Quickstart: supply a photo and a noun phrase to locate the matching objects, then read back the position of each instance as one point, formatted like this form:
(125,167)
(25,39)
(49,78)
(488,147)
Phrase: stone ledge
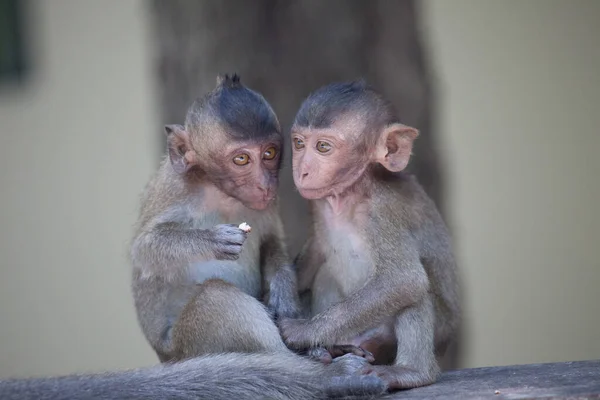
(572,380)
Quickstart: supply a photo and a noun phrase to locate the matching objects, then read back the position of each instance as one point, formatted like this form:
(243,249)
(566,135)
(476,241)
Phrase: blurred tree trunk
(287,48)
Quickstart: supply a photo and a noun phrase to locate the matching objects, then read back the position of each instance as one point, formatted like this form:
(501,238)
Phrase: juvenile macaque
(219,179)
(209,242)
(378,266)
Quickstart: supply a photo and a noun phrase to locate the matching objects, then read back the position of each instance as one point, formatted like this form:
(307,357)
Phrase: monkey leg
(220,318)
(415,364)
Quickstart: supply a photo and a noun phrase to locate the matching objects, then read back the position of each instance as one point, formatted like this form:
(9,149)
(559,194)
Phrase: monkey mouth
(260,204)
(313,193)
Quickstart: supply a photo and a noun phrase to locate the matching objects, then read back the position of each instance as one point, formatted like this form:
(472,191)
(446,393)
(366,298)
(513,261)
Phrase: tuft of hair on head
(323,106)
(244,113)
(224,80)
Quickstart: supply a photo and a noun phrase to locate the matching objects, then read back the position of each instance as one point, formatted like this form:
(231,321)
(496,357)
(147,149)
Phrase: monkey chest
(348,265)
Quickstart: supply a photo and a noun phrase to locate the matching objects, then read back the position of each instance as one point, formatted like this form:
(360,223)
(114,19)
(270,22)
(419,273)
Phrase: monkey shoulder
(161,193)
(414,211)
(401,200)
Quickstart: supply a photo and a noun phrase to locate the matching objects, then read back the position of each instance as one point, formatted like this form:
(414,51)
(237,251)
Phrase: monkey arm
(279,275)
(395,285)
(381,297)
(167,248)
(308,262)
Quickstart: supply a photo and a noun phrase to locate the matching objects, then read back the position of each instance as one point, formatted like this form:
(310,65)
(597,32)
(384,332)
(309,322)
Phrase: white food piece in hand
(245,227)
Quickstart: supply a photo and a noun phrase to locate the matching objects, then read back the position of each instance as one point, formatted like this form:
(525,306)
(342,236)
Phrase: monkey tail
(271,376)
(211,377)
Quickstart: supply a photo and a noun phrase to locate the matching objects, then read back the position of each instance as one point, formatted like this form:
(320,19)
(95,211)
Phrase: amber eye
(323,147)
(241,159)
(270,153)
(298,143)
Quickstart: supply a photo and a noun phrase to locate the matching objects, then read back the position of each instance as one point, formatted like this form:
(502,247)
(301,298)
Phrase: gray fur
(214,377)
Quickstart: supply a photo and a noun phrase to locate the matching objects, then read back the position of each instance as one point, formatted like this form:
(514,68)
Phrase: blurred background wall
(517,116)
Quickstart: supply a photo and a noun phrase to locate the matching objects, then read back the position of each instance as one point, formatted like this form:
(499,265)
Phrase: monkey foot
(327,354)
(399,377)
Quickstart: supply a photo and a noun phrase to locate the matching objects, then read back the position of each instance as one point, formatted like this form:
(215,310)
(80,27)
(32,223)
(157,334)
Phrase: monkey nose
(262,188)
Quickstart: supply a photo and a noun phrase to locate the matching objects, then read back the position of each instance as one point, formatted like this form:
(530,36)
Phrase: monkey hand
(282,298)
(283,305)
(226,241)
(296,333)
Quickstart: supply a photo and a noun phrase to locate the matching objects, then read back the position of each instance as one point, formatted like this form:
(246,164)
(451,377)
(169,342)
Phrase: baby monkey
(378,267)
(221,170)
(198,271)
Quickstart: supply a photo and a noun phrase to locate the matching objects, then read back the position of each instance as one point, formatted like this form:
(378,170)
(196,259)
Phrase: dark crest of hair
(323,106)
(228,81)
(244,113)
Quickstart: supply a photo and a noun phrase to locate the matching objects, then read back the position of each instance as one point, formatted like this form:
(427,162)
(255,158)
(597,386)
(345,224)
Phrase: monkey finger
(226,257)
(228,253)
(233,249)
(228,230)
(235,231)
(226,226)
(340,350)
(238,238)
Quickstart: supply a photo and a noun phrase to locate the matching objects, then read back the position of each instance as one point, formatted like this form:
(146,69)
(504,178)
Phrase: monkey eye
(241,159)
(298,143)
(323,147)
(270,153)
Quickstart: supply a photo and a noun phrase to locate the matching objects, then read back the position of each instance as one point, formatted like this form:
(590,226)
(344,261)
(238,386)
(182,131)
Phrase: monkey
(201,284)
(378,267)
(221,169)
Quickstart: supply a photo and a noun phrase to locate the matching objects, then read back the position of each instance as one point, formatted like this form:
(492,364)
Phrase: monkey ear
(182,155)
(395,146)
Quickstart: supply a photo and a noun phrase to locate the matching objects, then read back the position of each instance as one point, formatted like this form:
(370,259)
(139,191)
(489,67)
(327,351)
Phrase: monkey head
(340,131)
(231,137)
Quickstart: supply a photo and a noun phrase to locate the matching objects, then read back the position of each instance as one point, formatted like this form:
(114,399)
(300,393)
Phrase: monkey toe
(398,377)
(340,350)
(350,364)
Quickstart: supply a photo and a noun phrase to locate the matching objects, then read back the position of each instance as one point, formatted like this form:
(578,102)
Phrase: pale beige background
(519,109)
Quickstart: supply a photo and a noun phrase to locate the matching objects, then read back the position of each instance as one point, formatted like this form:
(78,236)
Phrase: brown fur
(378,267)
